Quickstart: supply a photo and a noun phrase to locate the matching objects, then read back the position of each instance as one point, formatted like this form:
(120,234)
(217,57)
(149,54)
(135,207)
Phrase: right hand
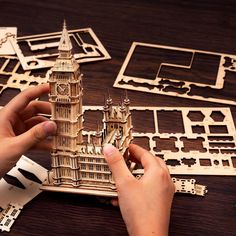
(145,203)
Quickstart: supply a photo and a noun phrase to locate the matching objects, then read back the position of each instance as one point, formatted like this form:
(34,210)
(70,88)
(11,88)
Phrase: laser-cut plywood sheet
(40,51)
(13,76)
(192,141)
(180,72)
(37,53)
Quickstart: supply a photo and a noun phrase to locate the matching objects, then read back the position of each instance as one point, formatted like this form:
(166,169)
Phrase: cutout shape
(29,175)
(12,180)
(196,116)
(170,122)
(217,116)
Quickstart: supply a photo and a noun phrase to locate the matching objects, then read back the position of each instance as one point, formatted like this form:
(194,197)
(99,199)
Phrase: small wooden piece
(187,186)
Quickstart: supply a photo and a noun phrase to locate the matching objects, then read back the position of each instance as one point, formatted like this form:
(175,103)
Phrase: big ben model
(66,99)
(79,167)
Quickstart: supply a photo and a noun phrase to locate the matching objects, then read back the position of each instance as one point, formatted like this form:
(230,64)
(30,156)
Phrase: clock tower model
(77,166)
(66,99)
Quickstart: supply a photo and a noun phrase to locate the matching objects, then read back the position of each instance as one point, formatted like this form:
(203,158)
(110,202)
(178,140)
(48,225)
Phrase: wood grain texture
(204,25)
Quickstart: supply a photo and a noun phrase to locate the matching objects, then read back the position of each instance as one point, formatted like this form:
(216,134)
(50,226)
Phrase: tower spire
(65,43)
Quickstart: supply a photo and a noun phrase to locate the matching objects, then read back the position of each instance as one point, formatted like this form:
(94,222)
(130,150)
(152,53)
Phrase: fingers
(35,135)
(44,145)
(34,108)
(145,157)
(116,164)
(19,102)
(34,121)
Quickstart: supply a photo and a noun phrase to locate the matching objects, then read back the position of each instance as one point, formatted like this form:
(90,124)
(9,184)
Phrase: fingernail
(108,149)
(50,127)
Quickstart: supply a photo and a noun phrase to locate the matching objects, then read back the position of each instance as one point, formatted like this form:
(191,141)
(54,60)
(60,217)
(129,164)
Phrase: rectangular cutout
(228,151)
(233,159)
(222,145)
(10,65)
(199,129)
(170,122)
(226,163)
(143,121)
(205,162)
(218,129)
(142,141)
(220,138)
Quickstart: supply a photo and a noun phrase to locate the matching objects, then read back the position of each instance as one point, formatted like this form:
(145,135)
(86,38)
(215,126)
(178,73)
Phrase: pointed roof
(65,43)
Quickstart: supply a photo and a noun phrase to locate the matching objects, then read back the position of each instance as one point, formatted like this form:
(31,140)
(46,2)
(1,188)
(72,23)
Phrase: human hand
(21,128)
(145,203)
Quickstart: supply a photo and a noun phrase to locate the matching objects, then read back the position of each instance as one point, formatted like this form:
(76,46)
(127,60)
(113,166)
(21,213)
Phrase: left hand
(21,128)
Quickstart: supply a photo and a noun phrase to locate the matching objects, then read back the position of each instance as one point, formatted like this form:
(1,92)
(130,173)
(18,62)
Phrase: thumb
(116,164)
(35,135)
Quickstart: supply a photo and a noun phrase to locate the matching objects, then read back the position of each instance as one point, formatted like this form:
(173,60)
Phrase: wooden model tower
(80,167)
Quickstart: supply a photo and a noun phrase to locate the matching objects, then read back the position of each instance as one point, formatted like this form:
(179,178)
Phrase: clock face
(63,89)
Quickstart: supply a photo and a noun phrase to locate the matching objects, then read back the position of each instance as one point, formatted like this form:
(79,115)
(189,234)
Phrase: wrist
(149,227)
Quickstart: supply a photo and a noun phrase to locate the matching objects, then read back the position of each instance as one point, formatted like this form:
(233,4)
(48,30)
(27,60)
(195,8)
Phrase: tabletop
(202,25)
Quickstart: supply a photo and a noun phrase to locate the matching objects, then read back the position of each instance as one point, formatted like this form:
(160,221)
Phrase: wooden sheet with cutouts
(40,51)
(13,76)
(181,72)
(25,61)
(192,141)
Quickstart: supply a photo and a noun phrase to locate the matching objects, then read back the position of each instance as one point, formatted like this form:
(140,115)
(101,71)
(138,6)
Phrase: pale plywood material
(9,215)
(40,46)
(7,33)
(178,87)
(77,166)
(187,186)
(15,79)
(200,161)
